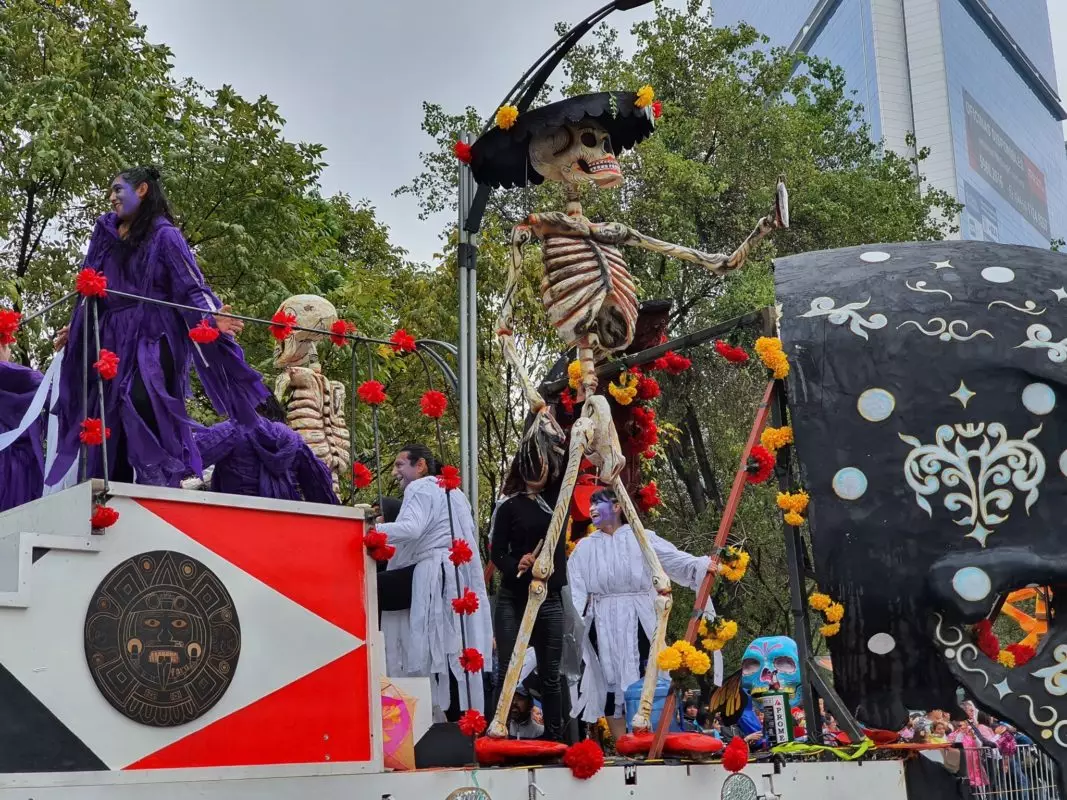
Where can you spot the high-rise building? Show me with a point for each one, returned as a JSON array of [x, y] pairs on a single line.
[[974, 80]]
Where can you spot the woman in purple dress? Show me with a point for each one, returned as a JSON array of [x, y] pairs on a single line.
[[21, 463], [140, 250], [267, 459]]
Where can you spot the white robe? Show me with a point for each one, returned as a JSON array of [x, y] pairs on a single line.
[[611, 585], [425, 640]]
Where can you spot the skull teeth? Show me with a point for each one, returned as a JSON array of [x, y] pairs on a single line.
[[600, 166]]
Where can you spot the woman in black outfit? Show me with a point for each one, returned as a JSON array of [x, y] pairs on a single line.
[[520, 525]]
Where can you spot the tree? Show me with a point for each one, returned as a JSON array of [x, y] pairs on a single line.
[[735, 115]]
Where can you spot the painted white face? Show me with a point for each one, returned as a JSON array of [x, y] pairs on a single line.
[[576, 154]]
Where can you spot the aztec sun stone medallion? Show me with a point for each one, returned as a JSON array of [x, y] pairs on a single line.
[[162, 638]]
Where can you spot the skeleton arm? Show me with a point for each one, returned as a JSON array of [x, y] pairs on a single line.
[[717, 263]]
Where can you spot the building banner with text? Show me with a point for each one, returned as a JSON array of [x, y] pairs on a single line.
[[997, 158]]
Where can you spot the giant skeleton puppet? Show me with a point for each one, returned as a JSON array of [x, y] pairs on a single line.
[[590, 298], [314, 404]]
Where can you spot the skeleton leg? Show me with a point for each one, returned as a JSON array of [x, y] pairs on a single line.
[[581, 437], [662, 584]]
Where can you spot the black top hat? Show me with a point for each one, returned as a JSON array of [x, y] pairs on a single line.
[[502, 157]]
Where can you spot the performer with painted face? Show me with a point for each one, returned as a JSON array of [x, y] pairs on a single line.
[[22, 462], [422, 632], [140, 250], [611, 585], [267, 459]]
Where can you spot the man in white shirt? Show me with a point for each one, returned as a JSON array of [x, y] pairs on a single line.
[[427, 637]]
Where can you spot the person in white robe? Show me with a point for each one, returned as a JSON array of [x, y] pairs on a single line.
[[611, 587], [426, 639]]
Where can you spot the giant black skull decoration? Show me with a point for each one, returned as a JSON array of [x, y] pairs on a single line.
[[928, 397]]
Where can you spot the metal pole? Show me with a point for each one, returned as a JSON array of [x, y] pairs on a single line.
[[464, 353], [83, 468], [472, 352]]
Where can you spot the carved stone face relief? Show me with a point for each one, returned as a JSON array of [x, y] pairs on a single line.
[[576, 154], [311, 311]]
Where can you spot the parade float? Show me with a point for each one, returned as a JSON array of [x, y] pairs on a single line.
[[188, 643]]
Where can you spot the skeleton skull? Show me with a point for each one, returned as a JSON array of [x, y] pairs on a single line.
[[311, 311], [576, 154]]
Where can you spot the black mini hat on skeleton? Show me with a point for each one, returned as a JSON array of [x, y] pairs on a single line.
[[501, 158]]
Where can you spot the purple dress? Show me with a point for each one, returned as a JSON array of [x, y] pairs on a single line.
[[145, 403], [21, 464], [265, 460]]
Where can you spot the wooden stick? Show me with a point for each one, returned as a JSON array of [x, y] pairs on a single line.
[[723, 533], [535, 554]]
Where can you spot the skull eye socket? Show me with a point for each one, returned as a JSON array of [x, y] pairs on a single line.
[[750, 666], [785, 665], [589, 139]]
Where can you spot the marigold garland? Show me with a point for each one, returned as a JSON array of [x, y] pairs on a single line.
[[835, 612], [506, 117], [467, 604], [340, 331], [793, 519], [460, 553], [9, 324], [793, 501], [774, 439], [683, 656], [462, 151], [624, 394], [733, 563], [645, 96], [402, 342], [574, 374], [372, 393], [831, 629], [832, 611], [203, 332], [107, 365], [770, 352], [362, 477], [93, 432], [1006, 659], [103, 517], [91, 283], [761, 465], [819, 601], [717, 636], [471, 660], [472, 723], [449, 479], [433, 404]]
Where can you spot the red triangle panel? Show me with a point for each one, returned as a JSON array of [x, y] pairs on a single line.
[[317, 562], [322, 717]]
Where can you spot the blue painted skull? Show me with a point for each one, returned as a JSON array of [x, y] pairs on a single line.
[[771, 663]]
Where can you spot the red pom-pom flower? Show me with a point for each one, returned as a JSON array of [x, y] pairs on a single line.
[[377, 544], [107, 366], [402, 342], [648, 496], [433, 404], [735, 355], [584, 759], [462, 151], [675, 364], [657, 109], [371, 392], [566, 399], [660, 364], [1021, 652], [340, 330], [760, 464], [93, 432], [987, 640], [647, 388], [649, 454], [471, 660], [91, 283], [362, 477], [472, 723], [449, 478], [467, 604], [9, 323], [281, 325], [460, 553], [644, 431], [203, 332], [103, 517], [735, 756]]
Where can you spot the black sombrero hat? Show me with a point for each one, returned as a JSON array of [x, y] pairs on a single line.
[[502, 157]]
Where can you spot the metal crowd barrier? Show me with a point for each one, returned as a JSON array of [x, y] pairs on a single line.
[[1027, 774]]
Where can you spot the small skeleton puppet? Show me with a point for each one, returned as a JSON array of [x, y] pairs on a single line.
[[314, 404], [590, 298]]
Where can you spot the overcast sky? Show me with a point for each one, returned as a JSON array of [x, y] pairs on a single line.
[[352, 75]]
